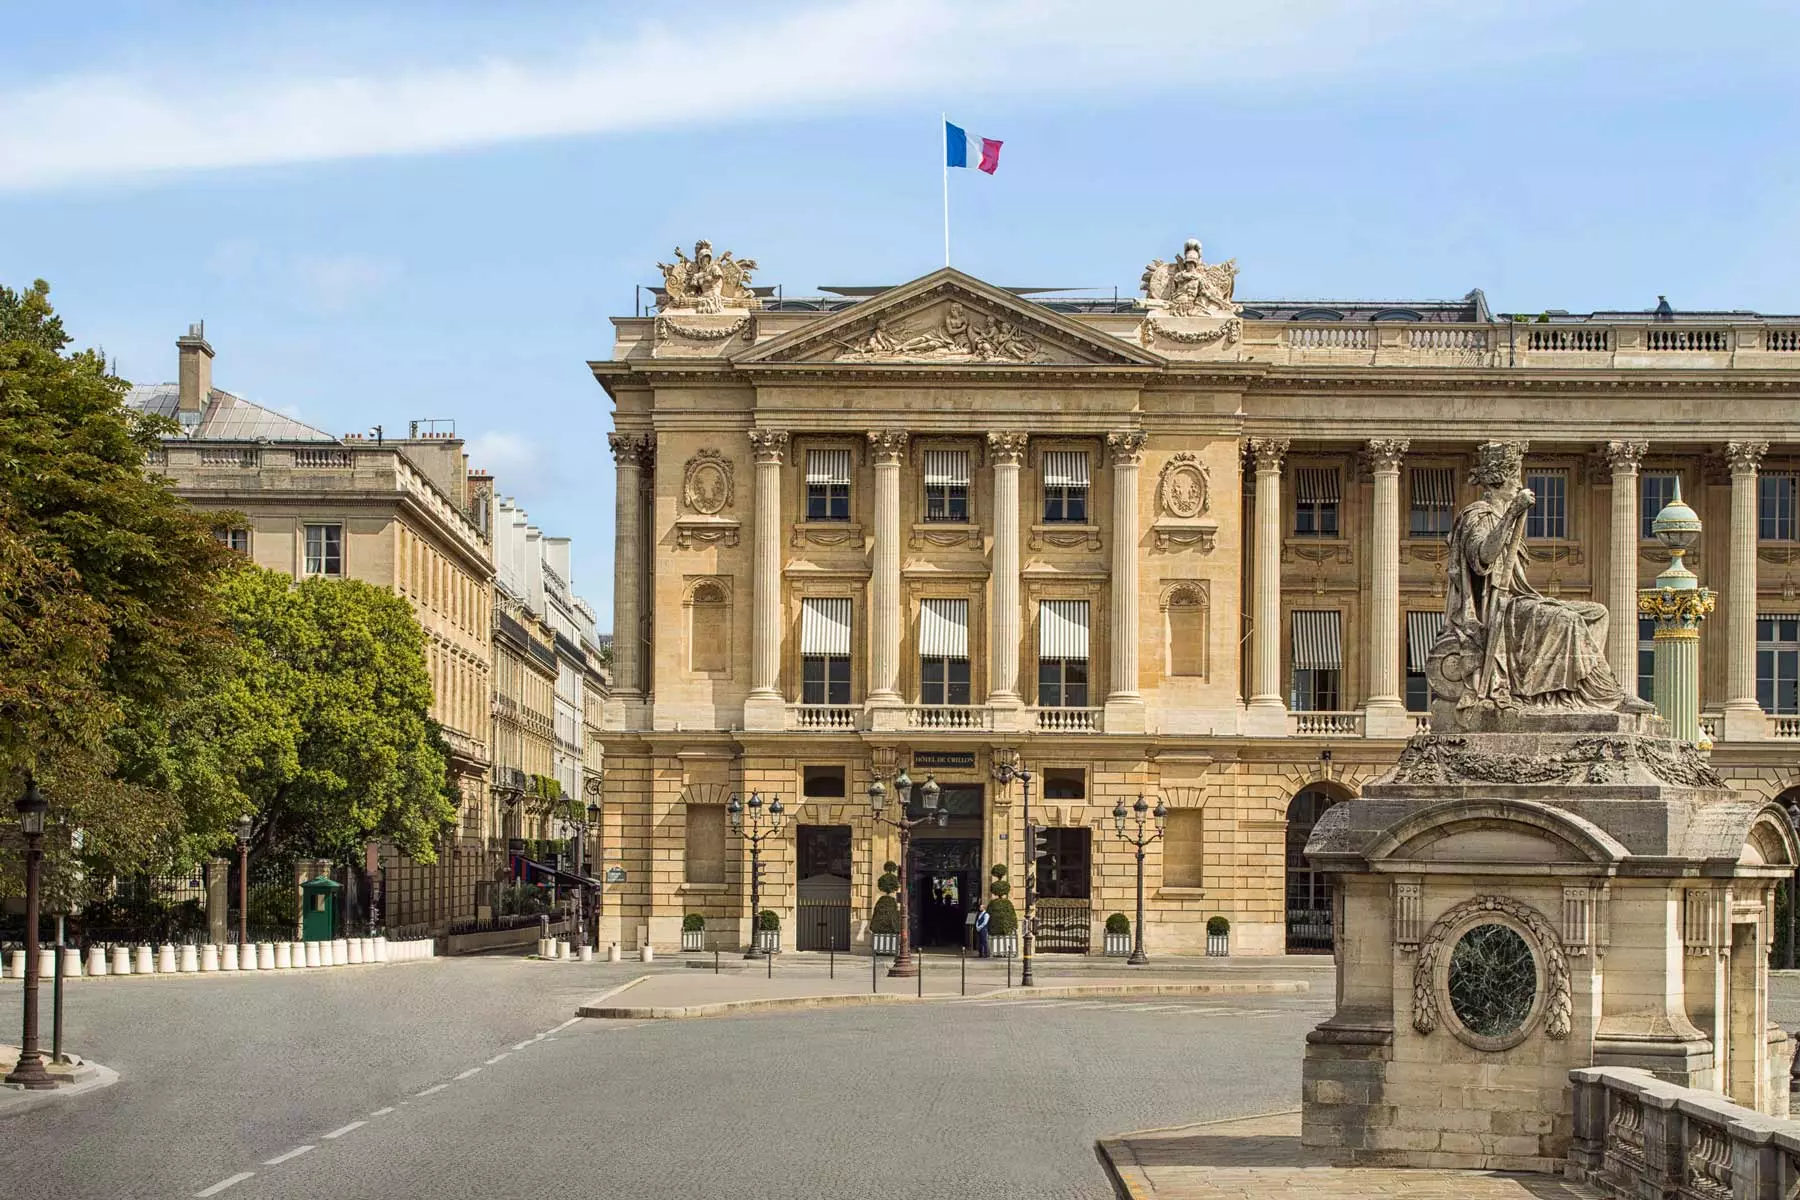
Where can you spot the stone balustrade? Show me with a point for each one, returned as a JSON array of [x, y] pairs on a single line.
[[1326, 724], [825, 716], [1067, 720], [949, 716], [1635, 1135]]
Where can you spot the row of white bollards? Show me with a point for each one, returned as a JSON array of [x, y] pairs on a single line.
[[559, 948], [223, 958]]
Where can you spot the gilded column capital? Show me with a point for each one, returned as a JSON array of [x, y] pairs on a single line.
[[1677, 611], [888, 445], [768, 445], [1266, 454], [1624, 458], [631, 448], [1126, 447], [1007, 448], [1385, 454], [1745, 457]]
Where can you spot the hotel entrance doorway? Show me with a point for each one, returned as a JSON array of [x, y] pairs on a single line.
[[944, 869]]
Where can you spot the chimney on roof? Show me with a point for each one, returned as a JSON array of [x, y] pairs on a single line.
[[196, 369]]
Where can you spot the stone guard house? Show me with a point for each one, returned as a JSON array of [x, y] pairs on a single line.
[[1185, 546]]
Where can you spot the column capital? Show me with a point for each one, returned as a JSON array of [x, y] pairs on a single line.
[[1385, 454], [1007, 449], [768, 445], [1126, 447], [631, 448], [1624, 458], [888, 445], [1745, 457], [1266, 454]]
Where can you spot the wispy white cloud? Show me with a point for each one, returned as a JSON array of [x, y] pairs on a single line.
[[744, 64]]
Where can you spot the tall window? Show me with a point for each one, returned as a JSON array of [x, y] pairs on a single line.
[[1778, 663], [709, 629], [1646, 664], [1422, 629], [944, 652], [1183, 848], [324, 550], [1775, 507], [1063, 654], [825, 650], [1066, 486], [1185, 627], [1316, 502], [1655, 490], [1063, 871], [705, 843], [237, 539], [946, 485], [1318, 659], [1549, 515], [1433, 502], [828, 485]]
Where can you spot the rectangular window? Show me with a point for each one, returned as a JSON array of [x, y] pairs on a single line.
[[1063, 871], [1422, 629], [825, 679], [943, 681], [1775, 507], [824, 853], [236, 539], [705, 843], [1065, 783], [1778, 663], [1655, 491], [324, 550], [1063, 653], [1062, 683], [1318, 660], [822, 782], [1183, 848], [828, 485], [825, 650], [1066, 487], [1433, 501], [1646, 660], [947, 485], [1549, 516], [1316, 502]]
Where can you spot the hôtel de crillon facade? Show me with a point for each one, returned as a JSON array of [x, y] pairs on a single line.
[[1184, 546]]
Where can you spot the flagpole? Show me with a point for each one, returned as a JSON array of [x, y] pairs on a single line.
[[944, 126]]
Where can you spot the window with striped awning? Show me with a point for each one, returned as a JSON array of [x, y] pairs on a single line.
[[1316, 485], [1065, 468], [947, 467], [1063, 629], [825, 626], [1433, 501], [828, 465], [943, 629], [1422, 629], [1318, 640]]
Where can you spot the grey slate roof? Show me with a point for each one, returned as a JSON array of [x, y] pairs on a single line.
[[226, 418]]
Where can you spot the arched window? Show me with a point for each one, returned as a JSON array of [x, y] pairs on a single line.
[[709, 628], [1317, 314], [1184, 628], [1309, 925]]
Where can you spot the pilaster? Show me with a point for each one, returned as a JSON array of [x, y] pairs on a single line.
[[764, 707], [1267, 714], [1621, 594], [1384, 713], [1124, 704], [1744, 719], [888, 449], [631, 453], [1007, 451]]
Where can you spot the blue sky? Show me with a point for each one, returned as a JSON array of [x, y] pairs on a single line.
[[433, 210]]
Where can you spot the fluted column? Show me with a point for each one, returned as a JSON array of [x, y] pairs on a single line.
[[1743, 717], [1007, 451], [1622, 589], [1124, 706], [1384, 713], [1267, 715], [628, 570], [888, 449], [764, 708]]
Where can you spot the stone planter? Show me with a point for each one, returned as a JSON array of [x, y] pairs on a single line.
[[768, 941], [1118, 945], [693, 939], [886, 944], [1004, 945], [1218, 945]]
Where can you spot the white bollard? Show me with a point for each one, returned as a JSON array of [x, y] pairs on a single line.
[[228, 957], [46, 962], [312, 954], [368, 947], [562, 948], [612, 952], [247, 956], [15, 965], [146, 961], [587, 954], [296, 954], [71, 963], [340, 952], [190, 959], [209, 958], [647, 954], [543, 950], [354, 948], [284, 956], [381, 948], [121, 960], [265, 956]]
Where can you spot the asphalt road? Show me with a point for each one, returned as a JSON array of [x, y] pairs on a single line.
[[461, 1079]]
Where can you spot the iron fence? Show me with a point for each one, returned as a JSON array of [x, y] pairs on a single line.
[[1062, 927]]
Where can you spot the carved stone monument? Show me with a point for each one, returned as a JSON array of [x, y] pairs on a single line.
[[1546, 880]]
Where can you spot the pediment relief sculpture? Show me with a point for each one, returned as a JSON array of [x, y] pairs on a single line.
[[705, 284], [955, 332]]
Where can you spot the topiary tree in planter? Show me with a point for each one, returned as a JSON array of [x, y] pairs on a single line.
[[768, 919], [1003, 919], [1217, 926], [886, 917], [1119, 924], [1218, 937], [693, 923]]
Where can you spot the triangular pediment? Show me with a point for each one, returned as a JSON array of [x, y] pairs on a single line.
[[947, 319]]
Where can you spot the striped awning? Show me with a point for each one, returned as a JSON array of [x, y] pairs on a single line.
[[1063, 629], [1065, 468], [1316, 485], [825, 625], [1318, 640], [947, 466], [1422, 629], [828, 466], [943, 629], [1433, 487]]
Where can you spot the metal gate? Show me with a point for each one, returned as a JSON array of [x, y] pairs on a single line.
[[822, 925], [1063, 928], [1309, 900]]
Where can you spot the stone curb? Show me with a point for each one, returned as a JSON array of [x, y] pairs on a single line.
[[1121, 1165], [860, 999], [88, 1077]]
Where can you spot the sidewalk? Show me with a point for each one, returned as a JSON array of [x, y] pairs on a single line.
[[1261, 1158], [76, 1075]]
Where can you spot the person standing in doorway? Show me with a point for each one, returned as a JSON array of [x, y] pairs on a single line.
[[981, 930]]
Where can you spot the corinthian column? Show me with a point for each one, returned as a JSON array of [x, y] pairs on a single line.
[[1007, 451], [1743, 717], [1268, 712], [628, 451], [1124, 706], [1622, 588], [1384, 714], [764, 707], [888, 448]]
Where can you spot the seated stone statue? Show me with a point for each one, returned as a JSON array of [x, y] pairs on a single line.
[[1505, 645]]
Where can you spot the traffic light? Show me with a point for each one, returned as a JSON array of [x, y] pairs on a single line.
[[1040, 842]]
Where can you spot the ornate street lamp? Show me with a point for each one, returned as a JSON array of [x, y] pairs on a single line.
[[29, 1072], [1006, 769], [243, 841], [1140, 838], [905, 966], [587, 872], [755, 828]]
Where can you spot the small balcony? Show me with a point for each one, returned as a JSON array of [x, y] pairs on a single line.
[[1067, 720], [1784, 729], [949, 716], [1326, 724], [826, 717]]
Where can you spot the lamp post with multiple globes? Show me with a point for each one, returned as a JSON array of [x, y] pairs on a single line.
[[905, 966], [755, 828], [29, 1072], [1139, 838]]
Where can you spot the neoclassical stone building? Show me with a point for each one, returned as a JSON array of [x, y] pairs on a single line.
[[1185, 546]]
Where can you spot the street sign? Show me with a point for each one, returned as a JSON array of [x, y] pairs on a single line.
[[615, 874]]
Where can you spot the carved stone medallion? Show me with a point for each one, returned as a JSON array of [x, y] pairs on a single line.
[[707, 486], [1557, 1006], [1181, 489]]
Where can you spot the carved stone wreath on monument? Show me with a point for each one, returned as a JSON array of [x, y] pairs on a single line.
[[1508, 1018], [707, 490], [1183, 498]]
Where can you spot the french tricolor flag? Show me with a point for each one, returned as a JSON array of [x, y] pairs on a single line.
[[964, 149]]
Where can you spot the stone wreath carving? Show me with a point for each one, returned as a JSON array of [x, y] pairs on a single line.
[[1181, 489], [707, 485], [667, 327], [1226, 333], [1559, 1009], [1439, 759]]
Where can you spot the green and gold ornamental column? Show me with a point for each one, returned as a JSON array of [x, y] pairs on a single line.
[[1678, 604]]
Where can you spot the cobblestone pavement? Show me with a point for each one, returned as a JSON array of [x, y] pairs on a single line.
[[468, 1078]]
